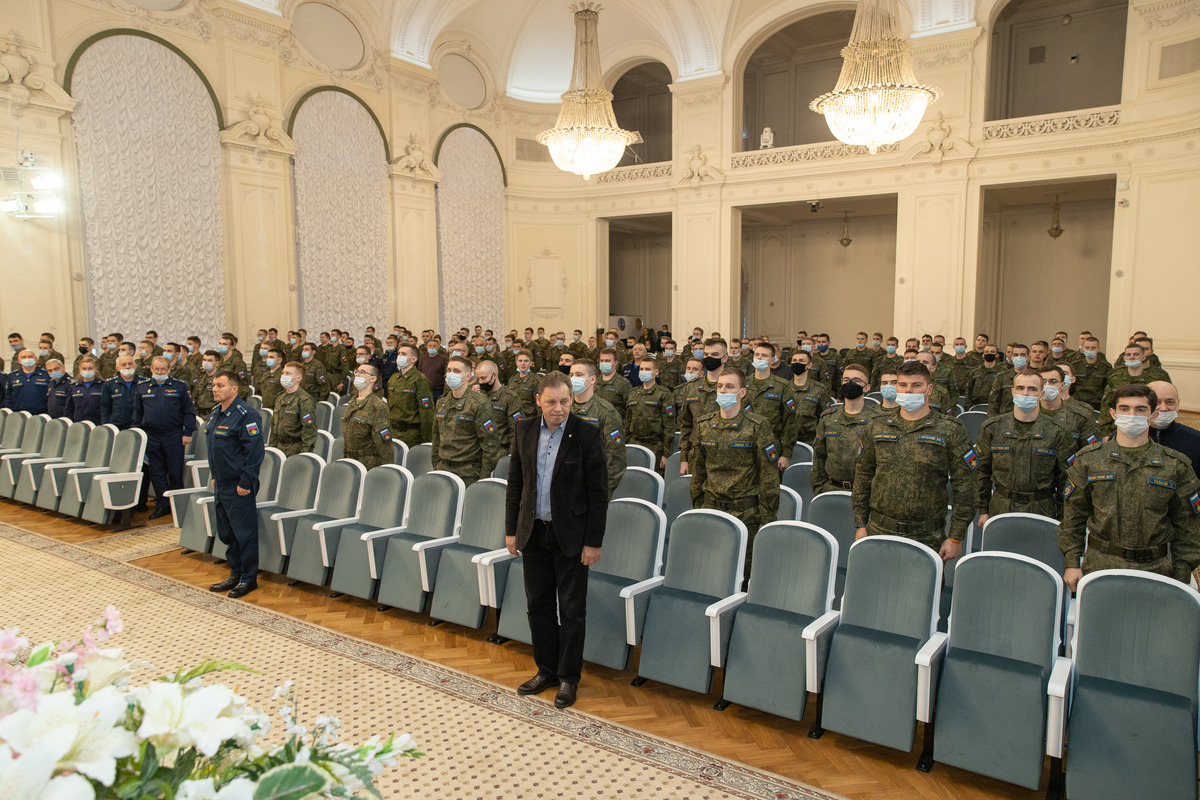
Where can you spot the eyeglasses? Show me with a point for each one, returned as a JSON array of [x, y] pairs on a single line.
[[858, 381]]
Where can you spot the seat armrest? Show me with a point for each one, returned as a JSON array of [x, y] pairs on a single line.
[[929, 670], [485, 564], [105, 483], [370, 537], [203, 501], [717, 620], [182, 492], [203, 462], [86, 470], [816, 648], [321, 527], [1058, 691], [422, 549], [1069, 632], [282, 515], [630, 594]]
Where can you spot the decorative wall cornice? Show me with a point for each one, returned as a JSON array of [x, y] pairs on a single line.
[[801, 153], [1167, 13], [21, 87], [190, 16], [1045, 125], [415, 164], [259, 132], [945, 49], [639, 172], [371, 72], [700, 92], [411, 80]]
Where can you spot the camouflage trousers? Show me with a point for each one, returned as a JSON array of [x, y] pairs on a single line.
[[931, 540], [1094, 561], [410, 436], [368, 458], [469, 471], [1047, 507]]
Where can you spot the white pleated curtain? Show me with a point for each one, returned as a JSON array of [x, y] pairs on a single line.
[[341, 216], [149, 155], [470, 204]]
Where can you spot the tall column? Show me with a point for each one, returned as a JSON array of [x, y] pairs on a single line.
[[413, 278], [931, 284]]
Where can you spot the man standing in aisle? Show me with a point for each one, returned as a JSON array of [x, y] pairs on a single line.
[[163, 408]]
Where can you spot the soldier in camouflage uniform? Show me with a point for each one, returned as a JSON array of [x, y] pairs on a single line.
[[578, 346], [465, 439], [180, 368], [694, 371], [1137, 502], [612, 386], [890, 359], [1066, 411], [525, 382], [961, 364], [939, 399], [366, 436], [860, 354], [699, 398], [979, 385], [1091, 376], [202, 396], [1000, 397], [1060, 354], [195, 353], [294, 426], [671, 366], [141, 360], [650, 414], [1135, 370], [107, 360], [835, 449], [901, 474], [1025, 454], [268, 385], [944, 373], [315, 381], [735, 461], [772, 398], [809, 398], [231, 361], [591, 408], [410, 400], [506, 406]]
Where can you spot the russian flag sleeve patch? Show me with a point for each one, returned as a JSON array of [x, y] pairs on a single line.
[[252, 428], [489, 426], [425, 402], [771, 451], [616, 436], [971, 458], [1195, 501]]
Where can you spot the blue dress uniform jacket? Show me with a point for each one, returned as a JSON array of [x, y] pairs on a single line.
[[164, 408], [27, 391], [116, 401], [83, 401], [56, 400], [235, 454]]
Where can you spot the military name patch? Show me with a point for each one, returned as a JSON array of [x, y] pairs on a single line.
[[252, 428], [925, 437], [466, 417], [1163, 482], [970, 458], [810, 398], [771, 451], [489, 426], [708, 443], [741, 444], [649, 402], [408, 391], [886, 437], [831, 433], [1045, 451], [1103, 476], [770, 396], [615, 436], [998, 448]]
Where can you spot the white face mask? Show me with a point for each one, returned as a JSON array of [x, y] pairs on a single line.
[[286, 381], [361, 382], [128, 374], [1165, 418], [1132, 425], [1051, 393]]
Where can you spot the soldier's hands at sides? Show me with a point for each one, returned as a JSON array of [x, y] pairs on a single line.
[[860, 533], [1071, 578], [590, 556], [510, 544], [783, 463], [683, 468], [662, 462], [242, 492], [983, 518], [950, 549], [187, 440]]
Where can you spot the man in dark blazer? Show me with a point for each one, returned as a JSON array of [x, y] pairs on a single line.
[[555, 514]]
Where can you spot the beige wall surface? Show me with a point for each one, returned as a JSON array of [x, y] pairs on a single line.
[[556, 248]]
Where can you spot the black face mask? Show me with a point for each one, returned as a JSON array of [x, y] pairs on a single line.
[[799, 368], [712, 363], [487, 387], [851, 390], [989, 357], [565, 369], [82, 349]]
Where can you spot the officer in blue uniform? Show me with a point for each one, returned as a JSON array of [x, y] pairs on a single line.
[[162, 407], [116, 398], [28, 385], [235, 454], [59, 390], [83, 398]]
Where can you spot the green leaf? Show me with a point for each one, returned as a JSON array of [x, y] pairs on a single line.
[[212, 665], [290, 782], [40, 655]]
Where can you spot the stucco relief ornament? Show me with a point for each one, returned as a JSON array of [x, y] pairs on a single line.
[[698, 169], [259, 128], [414, 163], [14, 67], [938, 142]]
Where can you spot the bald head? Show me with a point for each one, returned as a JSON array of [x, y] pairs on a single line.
[[1166, 392]]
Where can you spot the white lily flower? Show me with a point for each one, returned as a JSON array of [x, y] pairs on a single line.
[[29, 777], [200, 718], [90, 732], [107, 668], [237, 789]]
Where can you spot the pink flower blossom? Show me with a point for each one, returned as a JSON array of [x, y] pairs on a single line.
[[10, 643]]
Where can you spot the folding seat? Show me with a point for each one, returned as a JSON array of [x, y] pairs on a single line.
[[409, 570], [298, 482], [641, 483], [57, 491], [335, 423], [506, 589], [33, 470], [323, 413], [337, 450], [420, 459], [339, 499], [323, 447], [336, 399], [267, 415], [255, 402], [798, 478], [4, 413], [1035, 536], [868, 682], [14, 431], [1131, 717], [619, 584], [974, 421], [501, 470], [48, 445], [461, 595], [833, 512], [688, 621], [791, 587], [677, 499], [995, 665], [676, 447], [791, 506], [399, 453], [638, 456], [671, 471], [801, 453], [353, 555], [195, 473], [117, 486], [194, 512]]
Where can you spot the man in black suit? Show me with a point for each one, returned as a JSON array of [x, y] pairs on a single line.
[[555, 514]]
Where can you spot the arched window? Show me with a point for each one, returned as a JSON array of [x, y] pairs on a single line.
[[642, 103], [1049, 57], [795, 65], [341, 212], [147, 136]]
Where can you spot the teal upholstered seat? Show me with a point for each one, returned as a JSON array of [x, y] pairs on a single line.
[[410, 563], [34, 470], [461, 594], [339, 496], [354, 555], [298, 482], [60, 490]]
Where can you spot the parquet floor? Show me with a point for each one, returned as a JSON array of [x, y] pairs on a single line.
[[833, 763]]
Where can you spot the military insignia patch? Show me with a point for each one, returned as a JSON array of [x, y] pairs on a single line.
[[252, 428], [1092, 439], [1071, 460], [670, 411], [615, 436], [886, 437], [489, 426], [771, 451], [385, 434], [426, 402], [971, 459], [790, 403], [1070, 487], [1195, 501], [307, 419], [517, 415], [1107, 476]]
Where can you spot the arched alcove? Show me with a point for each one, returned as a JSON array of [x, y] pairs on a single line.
[[794, 65], [642, 103], [470, 211], [1050, 57], [147, 139], [341, 212]]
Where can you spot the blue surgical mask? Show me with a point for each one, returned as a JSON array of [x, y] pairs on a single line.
[[271, 362], [262, 352], [362, 381], [286, 380], [87, 375], [876, 343], [606, 367], [910, 401], [1058, 351], [1089, 354], [727, 400], [861, 345], [1020, 362], [891, 349], [609, 342], [668, 353], [478, 349], [960, 349], [760, 364], [1051, 393], [159, 378], [222, 349], [402, 362], [806, 348], [1133, 364], [454, 380], [431, 350], [1025, 402], [690, 376], [645, 376], [823, 348], [576, 337], [578, 385], [698, 352], [888, 393], [56, 374]]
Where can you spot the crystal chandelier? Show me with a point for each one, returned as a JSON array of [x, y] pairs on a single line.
[[877, 100], [586, 139], [1055, 230]]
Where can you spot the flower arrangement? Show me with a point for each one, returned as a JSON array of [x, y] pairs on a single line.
[[72, 728]]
